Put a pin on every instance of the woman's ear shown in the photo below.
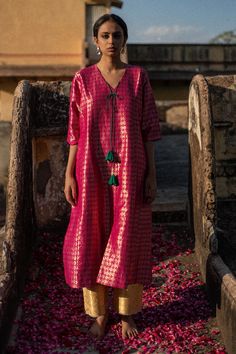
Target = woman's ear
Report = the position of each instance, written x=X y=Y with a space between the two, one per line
x=95 y=41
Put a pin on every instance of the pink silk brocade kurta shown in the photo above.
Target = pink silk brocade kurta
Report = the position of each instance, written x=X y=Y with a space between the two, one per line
x=108 y=239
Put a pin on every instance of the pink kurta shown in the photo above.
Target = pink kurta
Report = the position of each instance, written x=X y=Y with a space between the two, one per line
x=108 y=239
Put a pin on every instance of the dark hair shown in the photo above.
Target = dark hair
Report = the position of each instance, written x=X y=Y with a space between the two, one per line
x=107 y=17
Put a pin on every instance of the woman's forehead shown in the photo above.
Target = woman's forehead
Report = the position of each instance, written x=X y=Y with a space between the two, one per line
x=110 y=26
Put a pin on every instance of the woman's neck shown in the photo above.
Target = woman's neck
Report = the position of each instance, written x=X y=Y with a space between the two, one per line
x=110 y=63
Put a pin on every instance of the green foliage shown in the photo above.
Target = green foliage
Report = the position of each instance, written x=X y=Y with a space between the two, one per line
x=227 y=37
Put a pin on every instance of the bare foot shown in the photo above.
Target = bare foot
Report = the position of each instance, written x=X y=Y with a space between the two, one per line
x=98 y=327
x=129 y=329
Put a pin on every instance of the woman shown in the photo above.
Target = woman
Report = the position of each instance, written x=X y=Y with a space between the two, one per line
x=110 y=180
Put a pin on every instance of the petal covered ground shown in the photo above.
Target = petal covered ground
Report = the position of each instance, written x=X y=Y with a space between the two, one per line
x=176 y=316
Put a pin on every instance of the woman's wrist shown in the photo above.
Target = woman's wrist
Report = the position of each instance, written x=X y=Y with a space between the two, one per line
x=151 y=171
x=69 y=174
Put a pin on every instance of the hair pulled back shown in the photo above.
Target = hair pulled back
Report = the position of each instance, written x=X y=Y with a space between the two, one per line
x=107 y=17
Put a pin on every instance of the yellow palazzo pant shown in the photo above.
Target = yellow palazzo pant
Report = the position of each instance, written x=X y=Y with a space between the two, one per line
x=125 y=301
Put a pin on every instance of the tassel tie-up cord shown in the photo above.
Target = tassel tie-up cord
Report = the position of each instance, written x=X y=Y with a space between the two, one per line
x=111 y=155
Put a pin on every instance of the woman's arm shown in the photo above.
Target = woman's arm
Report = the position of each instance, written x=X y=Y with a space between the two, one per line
x=70 y=189
x=150 y=184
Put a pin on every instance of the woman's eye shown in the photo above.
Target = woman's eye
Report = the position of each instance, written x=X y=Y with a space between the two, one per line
x=115 y=35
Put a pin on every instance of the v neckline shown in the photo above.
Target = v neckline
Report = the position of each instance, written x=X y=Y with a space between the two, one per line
x=111 y=87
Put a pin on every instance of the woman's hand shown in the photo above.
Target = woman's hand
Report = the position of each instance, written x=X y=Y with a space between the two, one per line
x=150 y=188
x=70 y=190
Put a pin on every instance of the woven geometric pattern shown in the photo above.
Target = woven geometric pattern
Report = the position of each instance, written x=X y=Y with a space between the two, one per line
x=108 y=239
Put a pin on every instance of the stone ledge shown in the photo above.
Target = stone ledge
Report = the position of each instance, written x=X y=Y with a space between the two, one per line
x=38 y=70
x=170 y=200
x=222 y=282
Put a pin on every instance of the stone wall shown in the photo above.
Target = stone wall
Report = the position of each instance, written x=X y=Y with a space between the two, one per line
x=212 y=136
x=49 y=107
x=35 y=196
x=49 y=162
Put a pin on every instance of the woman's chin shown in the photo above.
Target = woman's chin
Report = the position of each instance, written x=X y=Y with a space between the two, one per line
x=112 y=53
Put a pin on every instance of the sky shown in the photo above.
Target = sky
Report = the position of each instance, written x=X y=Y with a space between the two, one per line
x=177 y=21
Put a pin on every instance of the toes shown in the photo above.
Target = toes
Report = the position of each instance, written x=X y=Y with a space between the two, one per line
x=130 y=334
x=125 y=334
x=129 y=329
x=134 y=332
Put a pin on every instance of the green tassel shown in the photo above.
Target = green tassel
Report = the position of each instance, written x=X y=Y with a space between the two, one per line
x=113 y=181
x=110 y=156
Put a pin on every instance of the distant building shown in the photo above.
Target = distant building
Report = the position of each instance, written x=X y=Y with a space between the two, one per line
x=45 y=40
x=51 y=40
x=171 y=66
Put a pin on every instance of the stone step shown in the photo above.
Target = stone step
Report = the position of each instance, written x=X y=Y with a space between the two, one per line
x=170 y=199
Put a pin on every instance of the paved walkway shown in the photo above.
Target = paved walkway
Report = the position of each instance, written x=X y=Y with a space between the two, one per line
x=176 y=316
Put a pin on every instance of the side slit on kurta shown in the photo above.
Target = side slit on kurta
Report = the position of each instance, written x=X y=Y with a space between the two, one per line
x=108 y=239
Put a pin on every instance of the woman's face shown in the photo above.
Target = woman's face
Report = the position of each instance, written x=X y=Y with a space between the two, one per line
x=110 y=38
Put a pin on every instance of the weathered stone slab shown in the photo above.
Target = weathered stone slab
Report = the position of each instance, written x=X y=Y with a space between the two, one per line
x=212 y=140
x=201 y=143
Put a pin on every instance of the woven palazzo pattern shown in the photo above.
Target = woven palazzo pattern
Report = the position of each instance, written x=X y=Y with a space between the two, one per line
x=125 y=301
x=108 y=239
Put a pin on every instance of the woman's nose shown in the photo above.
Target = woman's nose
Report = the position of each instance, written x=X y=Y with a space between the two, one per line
x=111 y=39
